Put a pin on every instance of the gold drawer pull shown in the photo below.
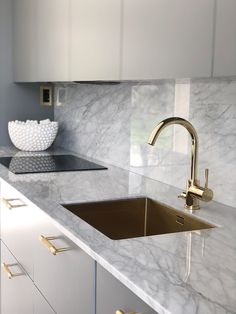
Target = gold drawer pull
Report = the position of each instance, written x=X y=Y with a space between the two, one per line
x=9 y=202
x=46 y=242
x=122 y=312
x=6 y=269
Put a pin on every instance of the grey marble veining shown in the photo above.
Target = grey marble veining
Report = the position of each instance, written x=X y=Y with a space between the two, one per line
x=184 y=273
x=112 y=124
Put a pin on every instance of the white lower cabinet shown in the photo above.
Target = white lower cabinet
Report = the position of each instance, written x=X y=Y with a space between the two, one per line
x=113 y=296
x=40 y=304
x=18 y=293
x=19 y=222
x=67 y=279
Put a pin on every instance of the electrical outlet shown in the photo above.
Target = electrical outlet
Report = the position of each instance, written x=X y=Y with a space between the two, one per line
x=46 y=95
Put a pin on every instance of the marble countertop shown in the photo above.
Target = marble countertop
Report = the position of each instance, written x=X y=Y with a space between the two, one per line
x=181 y=273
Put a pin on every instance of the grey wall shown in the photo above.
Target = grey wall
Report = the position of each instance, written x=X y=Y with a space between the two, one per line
x=17 y=101
x=113 y=123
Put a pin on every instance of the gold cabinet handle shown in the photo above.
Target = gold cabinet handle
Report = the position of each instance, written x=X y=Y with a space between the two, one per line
x=8 y=203
x=6 y=269
x=46 y=241
x=122 y=312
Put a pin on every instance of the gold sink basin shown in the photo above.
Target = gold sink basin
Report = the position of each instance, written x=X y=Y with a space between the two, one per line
x=135 y=217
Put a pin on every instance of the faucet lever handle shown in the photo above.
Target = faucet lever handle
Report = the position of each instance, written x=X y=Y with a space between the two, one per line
x=183 y=195
x=206 y=177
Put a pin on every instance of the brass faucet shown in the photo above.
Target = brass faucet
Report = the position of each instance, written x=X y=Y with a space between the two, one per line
x=194 y=192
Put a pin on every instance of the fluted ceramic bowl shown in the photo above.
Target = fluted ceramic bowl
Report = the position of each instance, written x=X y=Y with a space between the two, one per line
x=32 y=136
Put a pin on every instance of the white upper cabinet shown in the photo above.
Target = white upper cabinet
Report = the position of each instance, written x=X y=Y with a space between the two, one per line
x=225 y=40
x=167 y=38
x=67 y=40
x=112 y=40
x=24 y=48
x=41 y=40
x=95 y=31
x=52 y=40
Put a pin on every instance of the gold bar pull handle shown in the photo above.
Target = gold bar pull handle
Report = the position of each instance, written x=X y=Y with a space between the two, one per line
x=11 y=203
x=122 y=312
x=6 y=269
x=46 y=241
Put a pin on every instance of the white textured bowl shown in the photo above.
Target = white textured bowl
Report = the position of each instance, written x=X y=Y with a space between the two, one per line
x=32 y=137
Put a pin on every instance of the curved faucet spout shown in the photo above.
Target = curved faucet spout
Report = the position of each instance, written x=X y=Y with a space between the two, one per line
x=194 y=149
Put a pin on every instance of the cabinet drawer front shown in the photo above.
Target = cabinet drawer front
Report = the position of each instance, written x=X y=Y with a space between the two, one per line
x=40 y=304
x=16 y=293
x=19 y=219
x=63 y=272
x=113 y=296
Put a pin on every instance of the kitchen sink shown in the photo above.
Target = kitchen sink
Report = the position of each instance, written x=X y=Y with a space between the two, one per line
x=135 y=217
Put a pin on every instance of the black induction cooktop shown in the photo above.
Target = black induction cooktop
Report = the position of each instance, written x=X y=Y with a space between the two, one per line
x=48 y=163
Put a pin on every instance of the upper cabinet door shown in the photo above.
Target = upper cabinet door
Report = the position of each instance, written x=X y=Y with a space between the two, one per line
x=95 y=34
x=41 y=30
x=225 y=40
x=52 y=40
x=167 y=38
x=24 y=40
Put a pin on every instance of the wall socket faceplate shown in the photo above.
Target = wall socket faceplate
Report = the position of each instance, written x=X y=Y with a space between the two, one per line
x=60 y=96
x=46 y=95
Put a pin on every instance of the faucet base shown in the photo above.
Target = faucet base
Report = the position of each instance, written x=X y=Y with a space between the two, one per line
x=192 y=203
x=192 y=207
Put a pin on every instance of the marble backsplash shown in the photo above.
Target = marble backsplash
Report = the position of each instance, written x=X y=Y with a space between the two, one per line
x=112 y=123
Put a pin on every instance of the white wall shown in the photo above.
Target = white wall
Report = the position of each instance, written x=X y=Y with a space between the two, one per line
x=17 y=101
